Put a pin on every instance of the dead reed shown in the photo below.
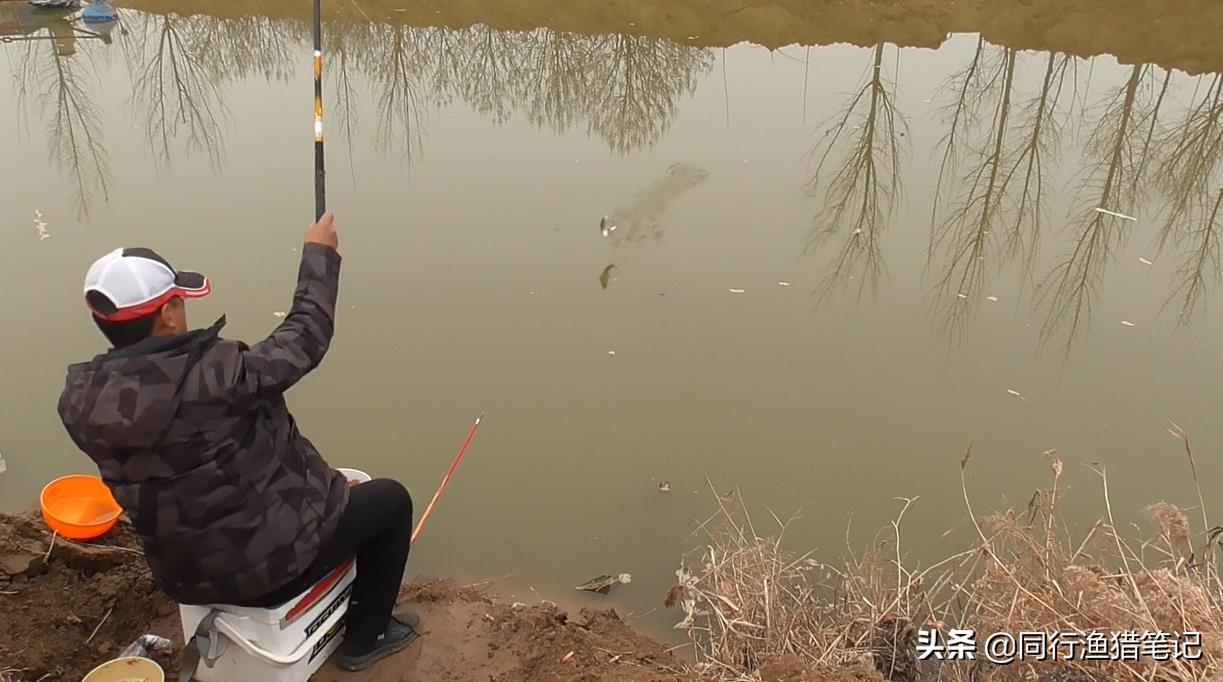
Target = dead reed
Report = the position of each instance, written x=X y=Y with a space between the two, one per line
x=746 y=601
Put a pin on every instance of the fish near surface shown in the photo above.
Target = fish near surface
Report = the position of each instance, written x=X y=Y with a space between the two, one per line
x=640 y=219
x=605 y=278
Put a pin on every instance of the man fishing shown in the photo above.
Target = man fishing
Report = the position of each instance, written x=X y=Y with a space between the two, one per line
x=191 y=433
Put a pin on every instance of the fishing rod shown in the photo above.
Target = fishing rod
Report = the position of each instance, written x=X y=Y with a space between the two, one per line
x=458 y=458
x=320 y=186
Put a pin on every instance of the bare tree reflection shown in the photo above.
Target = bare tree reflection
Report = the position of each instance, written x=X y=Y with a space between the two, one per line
x=1117 y=161
x=998 y=211
x=965 y=234
x=396 y=69
x=52 y=78
x=492 y=71
x=344 y=51
x=625 y=89
x=1199 y=263
x=635 y=83
x=960 y=114
x=859 y=199
x=232 y=49
x=1039 y=145
x=557 y=78
x=446 y=50
x=173 y=90
x=1191 y=161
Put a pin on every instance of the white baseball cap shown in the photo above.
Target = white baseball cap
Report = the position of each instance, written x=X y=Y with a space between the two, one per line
x=127 y=284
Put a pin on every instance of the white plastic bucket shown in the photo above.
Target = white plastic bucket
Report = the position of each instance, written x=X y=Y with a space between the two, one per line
x=286 y=643
x=355 y=475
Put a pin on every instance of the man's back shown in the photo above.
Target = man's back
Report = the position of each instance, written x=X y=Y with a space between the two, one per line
x=192 y=435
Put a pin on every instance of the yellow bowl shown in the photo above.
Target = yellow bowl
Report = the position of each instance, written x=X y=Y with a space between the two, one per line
x=131 y=669
x=79 y=507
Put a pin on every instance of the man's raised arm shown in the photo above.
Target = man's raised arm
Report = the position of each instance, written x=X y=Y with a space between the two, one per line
x=300 y=342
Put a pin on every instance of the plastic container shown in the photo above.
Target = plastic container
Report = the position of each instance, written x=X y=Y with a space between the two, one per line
x=99 y=11
x=286 y=643
x=79 y=507
x=355 y=475
x=130 y=669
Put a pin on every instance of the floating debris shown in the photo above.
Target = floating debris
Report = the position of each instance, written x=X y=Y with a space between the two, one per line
x=992 y=299
x=1114 y=214
x=606 y=226
x=611 y=352
x=279 y=314
x=961 y=295
x=858 y=231
x=605 y=583
x=1127 y=323
x=783 y=284
x=738 y=291
x=4 y=467
x=1143 y=261
x=605 y=276
x=1017 y=394
x=664 y=487
x=40 y=225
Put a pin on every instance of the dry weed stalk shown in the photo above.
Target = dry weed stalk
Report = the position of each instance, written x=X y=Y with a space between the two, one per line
x=747 y=601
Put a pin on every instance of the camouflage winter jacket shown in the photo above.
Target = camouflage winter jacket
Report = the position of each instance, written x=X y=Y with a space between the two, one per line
x=192 y=435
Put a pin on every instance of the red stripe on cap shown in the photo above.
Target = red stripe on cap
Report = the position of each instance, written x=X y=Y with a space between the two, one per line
x=152 y=307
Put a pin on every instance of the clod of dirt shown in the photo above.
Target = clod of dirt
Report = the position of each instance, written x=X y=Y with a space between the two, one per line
x=19 y=564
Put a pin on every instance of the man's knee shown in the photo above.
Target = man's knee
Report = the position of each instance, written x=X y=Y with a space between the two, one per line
x=395 y=495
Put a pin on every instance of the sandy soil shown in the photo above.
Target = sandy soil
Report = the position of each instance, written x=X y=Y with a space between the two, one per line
x=66 y=607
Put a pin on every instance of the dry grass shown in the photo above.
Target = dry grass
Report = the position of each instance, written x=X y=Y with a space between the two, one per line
x=748 y=602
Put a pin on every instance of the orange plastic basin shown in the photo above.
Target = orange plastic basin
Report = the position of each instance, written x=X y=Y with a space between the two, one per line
x=79 y=507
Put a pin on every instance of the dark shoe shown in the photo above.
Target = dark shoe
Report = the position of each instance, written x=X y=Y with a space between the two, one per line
x=400 y=632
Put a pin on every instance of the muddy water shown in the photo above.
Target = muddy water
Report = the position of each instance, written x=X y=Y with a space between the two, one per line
x=834 y=268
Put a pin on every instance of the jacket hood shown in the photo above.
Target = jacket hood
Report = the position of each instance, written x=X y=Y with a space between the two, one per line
x=126 y=398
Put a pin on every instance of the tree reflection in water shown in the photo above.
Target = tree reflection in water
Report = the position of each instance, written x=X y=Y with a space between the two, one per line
x=1117 y=159
x=174 y=91
x=1003 y=127
x=996 y=208
x=55 y=85
x=1191 y=158
x=862 y=142
x=623 y=89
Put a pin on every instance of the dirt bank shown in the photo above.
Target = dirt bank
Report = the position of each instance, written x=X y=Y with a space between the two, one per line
x=66 y=607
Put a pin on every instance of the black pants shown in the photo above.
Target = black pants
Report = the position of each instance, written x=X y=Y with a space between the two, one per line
x=376 y=526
